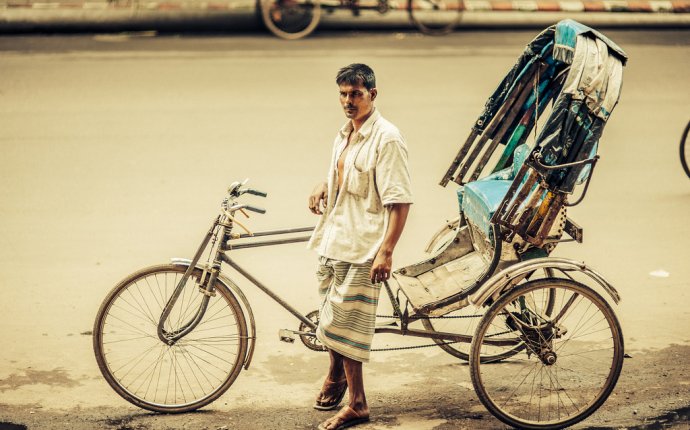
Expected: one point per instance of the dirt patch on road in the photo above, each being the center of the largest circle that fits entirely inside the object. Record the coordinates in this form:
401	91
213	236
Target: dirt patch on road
653	392
56	377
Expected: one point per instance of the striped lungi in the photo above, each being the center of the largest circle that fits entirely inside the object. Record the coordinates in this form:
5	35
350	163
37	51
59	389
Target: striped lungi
348	309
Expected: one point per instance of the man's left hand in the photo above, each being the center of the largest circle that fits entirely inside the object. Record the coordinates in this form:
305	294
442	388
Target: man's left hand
381	268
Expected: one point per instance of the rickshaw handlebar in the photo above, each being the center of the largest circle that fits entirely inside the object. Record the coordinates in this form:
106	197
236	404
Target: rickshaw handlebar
254	192
255	209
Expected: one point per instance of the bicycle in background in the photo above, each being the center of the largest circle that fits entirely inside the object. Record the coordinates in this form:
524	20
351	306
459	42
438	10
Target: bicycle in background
295	19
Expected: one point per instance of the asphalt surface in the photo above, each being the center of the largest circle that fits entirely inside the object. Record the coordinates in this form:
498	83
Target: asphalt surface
390	44
117	149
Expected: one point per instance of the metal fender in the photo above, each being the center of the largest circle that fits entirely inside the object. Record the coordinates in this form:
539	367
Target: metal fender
230	285
511	276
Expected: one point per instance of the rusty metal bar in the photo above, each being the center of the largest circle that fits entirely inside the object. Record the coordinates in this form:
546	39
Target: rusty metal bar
507	122
277	232
447	336
540	214
462	152
497	218
573	230
531	213
229	245
496	122
268	291
554	207
521	195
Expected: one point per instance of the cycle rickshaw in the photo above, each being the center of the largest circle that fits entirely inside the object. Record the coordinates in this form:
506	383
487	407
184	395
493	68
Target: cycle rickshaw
545	348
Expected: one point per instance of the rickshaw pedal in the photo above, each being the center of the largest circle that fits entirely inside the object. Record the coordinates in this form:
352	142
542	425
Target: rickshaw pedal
286	336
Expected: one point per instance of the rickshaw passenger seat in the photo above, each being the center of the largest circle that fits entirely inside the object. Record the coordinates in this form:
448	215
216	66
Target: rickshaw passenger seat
480	199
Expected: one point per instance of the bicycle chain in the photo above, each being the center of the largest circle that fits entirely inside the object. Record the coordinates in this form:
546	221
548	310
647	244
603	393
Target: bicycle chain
432	317
400	348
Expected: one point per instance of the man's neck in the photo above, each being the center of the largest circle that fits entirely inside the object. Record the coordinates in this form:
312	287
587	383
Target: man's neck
357	124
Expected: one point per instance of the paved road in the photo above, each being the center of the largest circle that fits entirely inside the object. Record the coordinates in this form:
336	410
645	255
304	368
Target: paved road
117	150
336	43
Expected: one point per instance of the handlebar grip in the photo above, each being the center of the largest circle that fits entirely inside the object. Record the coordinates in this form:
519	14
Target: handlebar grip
255	209
256	192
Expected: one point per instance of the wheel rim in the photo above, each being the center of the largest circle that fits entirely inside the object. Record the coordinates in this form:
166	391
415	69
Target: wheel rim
565	371
291	19
685	150
435	16
185	375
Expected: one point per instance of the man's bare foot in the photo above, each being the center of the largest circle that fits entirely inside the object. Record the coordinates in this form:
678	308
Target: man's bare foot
346	417
331	394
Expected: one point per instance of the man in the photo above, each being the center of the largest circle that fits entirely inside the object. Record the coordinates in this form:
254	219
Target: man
363	207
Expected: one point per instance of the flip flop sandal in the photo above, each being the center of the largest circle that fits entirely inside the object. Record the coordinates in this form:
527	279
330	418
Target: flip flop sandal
323	406
348	423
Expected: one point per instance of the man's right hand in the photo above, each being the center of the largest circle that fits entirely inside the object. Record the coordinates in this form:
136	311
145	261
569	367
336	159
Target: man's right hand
318	199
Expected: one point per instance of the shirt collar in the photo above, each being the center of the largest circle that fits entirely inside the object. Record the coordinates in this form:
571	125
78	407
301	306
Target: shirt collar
365	129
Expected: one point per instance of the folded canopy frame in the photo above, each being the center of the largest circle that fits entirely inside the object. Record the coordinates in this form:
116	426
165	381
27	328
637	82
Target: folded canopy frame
580	71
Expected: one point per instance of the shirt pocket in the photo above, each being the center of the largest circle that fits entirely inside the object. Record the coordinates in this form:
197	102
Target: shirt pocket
358	183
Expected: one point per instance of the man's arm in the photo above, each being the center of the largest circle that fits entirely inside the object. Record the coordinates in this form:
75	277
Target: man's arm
381	268
318	198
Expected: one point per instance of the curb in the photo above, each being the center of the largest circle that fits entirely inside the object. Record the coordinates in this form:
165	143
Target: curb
650	6
578	6
22	16
126	6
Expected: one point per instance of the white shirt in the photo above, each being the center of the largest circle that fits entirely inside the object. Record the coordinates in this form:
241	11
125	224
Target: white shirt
375	175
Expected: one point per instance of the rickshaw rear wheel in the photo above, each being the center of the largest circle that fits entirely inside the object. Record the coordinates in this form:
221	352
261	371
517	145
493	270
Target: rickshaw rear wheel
570	363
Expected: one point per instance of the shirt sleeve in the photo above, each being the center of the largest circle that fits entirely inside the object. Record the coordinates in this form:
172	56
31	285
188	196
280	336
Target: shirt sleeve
392	174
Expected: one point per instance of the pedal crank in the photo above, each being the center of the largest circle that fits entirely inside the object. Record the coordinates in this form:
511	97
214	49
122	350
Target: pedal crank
307	336
286	336
305	333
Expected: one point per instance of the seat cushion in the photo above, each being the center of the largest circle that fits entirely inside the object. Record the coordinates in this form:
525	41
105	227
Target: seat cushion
481	199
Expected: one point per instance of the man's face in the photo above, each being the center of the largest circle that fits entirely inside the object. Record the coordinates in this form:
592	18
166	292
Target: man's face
357	101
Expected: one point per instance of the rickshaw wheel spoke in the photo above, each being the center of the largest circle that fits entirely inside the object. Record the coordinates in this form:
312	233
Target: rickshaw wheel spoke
571	358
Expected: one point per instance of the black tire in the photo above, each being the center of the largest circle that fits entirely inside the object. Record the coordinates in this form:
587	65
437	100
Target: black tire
685	150
435	17
291	19
205	362
579	389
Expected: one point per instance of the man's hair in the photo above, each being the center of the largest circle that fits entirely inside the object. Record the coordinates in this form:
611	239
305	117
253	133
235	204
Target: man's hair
356	74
